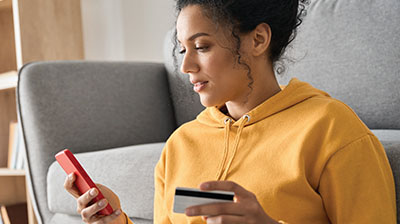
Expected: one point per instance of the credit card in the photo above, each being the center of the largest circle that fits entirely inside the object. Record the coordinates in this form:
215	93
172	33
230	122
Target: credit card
186	197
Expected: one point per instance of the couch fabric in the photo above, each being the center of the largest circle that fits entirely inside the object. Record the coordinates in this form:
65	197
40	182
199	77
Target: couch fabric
351	50
120	169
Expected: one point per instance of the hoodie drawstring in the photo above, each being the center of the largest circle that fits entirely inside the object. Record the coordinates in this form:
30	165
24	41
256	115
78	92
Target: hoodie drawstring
226	140
246	118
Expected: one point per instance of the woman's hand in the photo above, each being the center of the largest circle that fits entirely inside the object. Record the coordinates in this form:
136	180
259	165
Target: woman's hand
246	208
89	212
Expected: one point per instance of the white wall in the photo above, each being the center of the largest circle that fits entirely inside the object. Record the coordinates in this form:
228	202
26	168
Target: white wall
131	30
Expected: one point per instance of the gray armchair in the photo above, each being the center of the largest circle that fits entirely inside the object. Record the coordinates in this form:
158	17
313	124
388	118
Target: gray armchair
116	116
104	112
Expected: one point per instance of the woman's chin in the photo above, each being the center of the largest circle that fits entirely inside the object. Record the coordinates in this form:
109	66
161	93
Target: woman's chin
208	102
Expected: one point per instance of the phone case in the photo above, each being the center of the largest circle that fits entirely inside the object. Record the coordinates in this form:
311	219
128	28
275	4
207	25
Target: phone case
83	182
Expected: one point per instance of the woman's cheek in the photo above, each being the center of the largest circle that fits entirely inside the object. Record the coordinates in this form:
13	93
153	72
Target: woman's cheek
216	63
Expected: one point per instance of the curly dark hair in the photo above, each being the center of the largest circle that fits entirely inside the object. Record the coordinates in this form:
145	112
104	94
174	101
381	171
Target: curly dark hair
243	16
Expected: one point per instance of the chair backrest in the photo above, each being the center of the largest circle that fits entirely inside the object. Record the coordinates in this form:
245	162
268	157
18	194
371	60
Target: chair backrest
186	102
351	49
88	106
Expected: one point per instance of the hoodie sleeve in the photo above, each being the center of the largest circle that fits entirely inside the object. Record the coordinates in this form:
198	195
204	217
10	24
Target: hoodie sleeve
357	184
160	211
128	221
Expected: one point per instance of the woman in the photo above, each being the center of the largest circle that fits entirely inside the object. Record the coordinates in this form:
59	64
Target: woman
291	155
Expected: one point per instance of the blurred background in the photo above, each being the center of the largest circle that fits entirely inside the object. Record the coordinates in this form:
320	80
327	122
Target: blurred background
126	29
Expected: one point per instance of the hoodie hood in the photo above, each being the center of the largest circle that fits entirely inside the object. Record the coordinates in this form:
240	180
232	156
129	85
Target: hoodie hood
295	92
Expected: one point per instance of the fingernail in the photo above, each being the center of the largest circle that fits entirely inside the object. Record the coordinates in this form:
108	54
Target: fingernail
70	176
117	212
102	203
93	192
205	185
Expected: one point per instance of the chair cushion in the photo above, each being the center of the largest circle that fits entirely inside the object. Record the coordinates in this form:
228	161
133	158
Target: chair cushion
390	140
128	171
350	49
61	218
386	135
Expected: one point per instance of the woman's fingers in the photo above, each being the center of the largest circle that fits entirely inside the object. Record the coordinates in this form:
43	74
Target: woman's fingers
70	186
214	209
86	198
113	200
108	219
246	208
226	219
89	214
240	192
89	211
91	217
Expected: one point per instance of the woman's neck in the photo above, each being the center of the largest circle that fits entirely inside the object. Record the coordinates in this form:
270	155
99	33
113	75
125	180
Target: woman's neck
265	86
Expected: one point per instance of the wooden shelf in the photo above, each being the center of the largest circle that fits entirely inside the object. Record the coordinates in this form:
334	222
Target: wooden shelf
12	185
8	80
5	4
8	59
5	172
8	108
30	30
14	190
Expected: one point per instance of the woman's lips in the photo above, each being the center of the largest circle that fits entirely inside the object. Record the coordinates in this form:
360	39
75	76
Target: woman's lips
199	86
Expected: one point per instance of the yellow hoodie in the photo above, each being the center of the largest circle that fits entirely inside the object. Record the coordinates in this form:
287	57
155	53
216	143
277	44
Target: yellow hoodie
306	156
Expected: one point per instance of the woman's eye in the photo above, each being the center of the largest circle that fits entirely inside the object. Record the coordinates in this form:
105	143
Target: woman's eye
201	48
182	51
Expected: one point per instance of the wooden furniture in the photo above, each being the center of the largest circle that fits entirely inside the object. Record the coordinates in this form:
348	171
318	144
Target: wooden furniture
8	113
31	30
13	190
39	30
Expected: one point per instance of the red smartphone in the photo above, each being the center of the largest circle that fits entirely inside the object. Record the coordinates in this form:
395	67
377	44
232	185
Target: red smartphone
83	182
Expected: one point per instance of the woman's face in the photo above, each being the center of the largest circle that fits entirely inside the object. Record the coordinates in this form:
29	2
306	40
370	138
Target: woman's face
209	60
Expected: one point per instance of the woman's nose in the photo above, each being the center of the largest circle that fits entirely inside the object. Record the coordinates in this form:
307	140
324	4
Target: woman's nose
189	64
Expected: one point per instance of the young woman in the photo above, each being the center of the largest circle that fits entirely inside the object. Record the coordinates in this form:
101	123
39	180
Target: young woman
291	155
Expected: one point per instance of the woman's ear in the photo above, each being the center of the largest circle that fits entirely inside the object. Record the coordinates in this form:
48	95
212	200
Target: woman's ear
261	39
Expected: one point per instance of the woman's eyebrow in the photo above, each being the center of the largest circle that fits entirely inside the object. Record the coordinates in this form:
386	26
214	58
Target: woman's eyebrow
198	35
194	36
